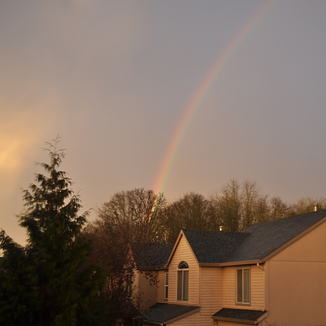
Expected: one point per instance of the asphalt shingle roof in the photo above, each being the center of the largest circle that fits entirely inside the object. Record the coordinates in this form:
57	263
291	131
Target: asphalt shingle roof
250	316
162	312
254	243
151	255
268	236
213	246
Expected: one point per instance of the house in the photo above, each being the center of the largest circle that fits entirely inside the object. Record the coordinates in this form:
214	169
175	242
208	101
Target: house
146	284
271	274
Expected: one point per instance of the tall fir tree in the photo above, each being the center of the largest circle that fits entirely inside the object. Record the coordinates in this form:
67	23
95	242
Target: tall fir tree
49	280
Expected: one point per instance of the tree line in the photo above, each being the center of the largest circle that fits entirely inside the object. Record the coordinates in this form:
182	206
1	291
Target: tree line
72	272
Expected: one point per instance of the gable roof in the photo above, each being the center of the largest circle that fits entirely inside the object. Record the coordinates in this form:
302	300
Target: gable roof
256	243
213	246
150	256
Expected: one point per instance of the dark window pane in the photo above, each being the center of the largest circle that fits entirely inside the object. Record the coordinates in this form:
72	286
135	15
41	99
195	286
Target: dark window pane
185	285
179	294
183	265
239	285
246	285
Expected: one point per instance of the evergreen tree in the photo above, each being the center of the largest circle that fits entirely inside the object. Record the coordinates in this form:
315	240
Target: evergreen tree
49	281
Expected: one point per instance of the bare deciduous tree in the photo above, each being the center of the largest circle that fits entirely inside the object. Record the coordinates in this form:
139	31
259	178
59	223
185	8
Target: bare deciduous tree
192	211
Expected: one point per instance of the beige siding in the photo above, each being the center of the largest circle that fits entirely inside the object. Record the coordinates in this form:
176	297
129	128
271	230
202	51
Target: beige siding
257	288
229	283
144	293
257	280
211	284
311	247
297	282
160	286
135	281
195	319
184	252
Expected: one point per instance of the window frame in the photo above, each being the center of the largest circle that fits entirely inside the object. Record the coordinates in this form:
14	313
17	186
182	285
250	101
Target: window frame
245	286
183	282
166	285
129	285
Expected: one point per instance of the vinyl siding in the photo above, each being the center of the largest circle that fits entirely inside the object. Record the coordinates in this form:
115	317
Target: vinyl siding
311	247
184	252
257	288
211	285
195	319
160	286
144	294
297	282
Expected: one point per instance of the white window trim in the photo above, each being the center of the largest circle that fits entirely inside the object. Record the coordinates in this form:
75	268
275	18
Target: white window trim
242	302
129	286
166	285
182	270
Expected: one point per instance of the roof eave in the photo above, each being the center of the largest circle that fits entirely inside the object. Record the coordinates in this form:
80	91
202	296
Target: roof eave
242	321
174	248
181	234
172	320
234	320
152	269
232	263
153	323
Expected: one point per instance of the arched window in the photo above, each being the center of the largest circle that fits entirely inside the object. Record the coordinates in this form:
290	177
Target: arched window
183	281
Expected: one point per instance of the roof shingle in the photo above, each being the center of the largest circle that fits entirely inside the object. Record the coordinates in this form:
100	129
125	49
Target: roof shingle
151	255
213	246
247	316
254	243
268	236
162	312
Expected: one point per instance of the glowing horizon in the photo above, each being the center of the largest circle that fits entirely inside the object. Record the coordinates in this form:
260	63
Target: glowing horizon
202	90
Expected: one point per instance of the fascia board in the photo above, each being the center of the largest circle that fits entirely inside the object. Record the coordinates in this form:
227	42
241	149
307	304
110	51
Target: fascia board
262	318
234	320
174	249
242	321
153	323
237	263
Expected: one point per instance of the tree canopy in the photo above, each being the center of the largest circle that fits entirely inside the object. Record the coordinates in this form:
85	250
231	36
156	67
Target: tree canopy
49	281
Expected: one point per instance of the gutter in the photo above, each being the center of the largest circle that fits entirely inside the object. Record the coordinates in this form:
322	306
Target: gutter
233	263
234	320
145	322
262	268
242	321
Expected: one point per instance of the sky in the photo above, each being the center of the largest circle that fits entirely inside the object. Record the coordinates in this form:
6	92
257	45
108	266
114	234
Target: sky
174	96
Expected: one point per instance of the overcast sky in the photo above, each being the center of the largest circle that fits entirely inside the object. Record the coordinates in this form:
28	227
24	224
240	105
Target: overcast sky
114	79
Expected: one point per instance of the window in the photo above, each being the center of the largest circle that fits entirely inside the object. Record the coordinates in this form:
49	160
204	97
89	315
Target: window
183	281
243	285
129	285
166	286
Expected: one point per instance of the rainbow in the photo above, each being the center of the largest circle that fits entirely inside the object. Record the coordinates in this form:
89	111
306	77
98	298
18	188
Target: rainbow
201	91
